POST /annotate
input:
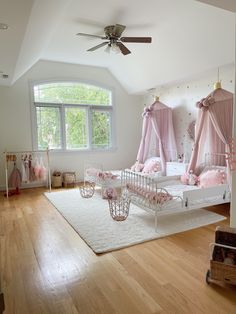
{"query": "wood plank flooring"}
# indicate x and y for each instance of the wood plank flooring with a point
(45, 267)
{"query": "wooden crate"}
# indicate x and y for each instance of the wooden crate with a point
(225, 241)
(223, 272)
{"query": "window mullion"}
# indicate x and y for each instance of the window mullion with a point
(89, 126)
(63, 127)
(111, 135)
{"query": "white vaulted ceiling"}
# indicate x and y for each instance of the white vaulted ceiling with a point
(188, 37)
(224, 4)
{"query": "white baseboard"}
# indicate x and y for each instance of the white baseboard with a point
(26, 186)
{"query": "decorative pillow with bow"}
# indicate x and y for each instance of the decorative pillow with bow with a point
(137, 167)
(212, 178)
(152, 166)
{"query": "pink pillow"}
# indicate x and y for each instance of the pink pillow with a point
(137, 167)
(212, 178)
(152, 166)
(92, 172)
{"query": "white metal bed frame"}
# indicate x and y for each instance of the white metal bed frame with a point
(190, 200)
(135, 182)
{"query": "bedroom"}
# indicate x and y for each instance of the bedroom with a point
(57, 53)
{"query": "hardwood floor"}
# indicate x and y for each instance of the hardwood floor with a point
(47, 268)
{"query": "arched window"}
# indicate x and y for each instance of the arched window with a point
(72, 116)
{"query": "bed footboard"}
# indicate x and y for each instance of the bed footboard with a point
(206, 196)
(145, 193)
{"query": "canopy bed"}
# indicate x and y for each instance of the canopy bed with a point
(208, 166)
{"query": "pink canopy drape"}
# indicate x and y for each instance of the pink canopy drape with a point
(213, 128)
(158, 138)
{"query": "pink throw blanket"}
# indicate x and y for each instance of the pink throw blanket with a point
(153, 197)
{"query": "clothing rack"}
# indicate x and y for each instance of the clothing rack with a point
(11, 156)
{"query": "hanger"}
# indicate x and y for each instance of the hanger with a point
(217, 84)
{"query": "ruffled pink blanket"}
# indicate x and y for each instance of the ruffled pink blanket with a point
(153, 197)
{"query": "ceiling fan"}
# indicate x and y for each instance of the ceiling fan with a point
(114, 41)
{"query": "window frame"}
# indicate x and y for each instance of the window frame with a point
(62, 106)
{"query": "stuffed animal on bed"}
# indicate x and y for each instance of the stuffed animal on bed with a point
(189, 178)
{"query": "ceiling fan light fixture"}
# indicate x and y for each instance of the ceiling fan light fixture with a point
(115, 48)
(108, 49)
(114, 41)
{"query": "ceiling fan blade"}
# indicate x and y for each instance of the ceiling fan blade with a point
(98, 46)
(89, 35)
(118, 30)
(123, 49)
(136, 39)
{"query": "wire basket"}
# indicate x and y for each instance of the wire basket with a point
(119, 208)
(87, 190)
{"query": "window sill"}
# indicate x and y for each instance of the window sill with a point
(82, 151)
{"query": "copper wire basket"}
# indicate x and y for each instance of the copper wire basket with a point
(119, 208)
(87, 190)
(225, 240)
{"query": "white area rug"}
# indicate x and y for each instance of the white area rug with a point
(91, 219)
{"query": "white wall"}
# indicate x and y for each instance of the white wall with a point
(183, 97)
(15, 120)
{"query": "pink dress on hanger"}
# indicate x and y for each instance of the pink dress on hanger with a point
(23, 170)
(15, 180)
(43, 170)
(31, 170)
(37, 169)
